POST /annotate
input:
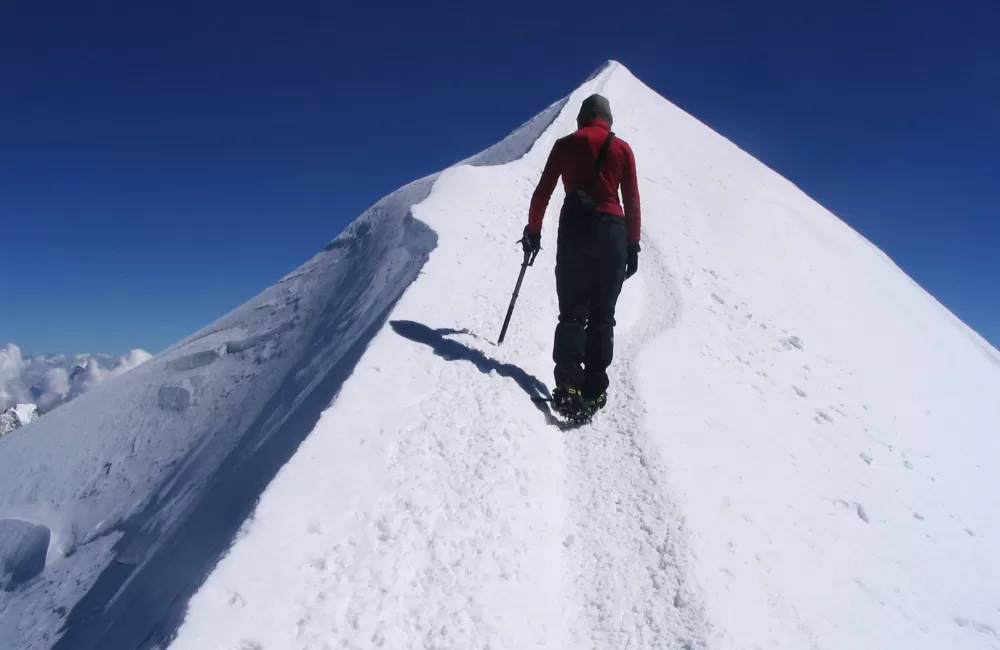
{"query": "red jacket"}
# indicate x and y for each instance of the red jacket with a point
(574, 158)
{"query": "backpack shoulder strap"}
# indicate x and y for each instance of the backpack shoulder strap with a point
(601, 157)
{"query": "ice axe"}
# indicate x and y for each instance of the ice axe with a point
(529, 259)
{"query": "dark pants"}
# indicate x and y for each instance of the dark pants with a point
(590, 270)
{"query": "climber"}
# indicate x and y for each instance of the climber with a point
(597, 250)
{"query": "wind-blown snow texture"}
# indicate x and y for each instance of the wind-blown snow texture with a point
(797, 453)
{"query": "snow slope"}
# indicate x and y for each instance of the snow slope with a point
(796, 453)
(117, 505)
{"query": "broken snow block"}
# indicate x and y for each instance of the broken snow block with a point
(197, 359)
(173, 398)
(23, 547)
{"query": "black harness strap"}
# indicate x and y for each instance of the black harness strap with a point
(601, 157)
(580, 200)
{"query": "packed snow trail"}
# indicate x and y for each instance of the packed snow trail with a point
(626, 538)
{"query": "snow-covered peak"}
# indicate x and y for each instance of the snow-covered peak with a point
(25, 412)
(17, 416)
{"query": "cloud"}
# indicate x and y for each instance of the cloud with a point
(52, 380)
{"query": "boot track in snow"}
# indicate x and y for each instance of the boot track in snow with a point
(623, 533)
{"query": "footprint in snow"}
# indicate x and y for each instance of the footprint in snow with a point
(982, 628)
(857, 507)
(820, 415)
(793, 342)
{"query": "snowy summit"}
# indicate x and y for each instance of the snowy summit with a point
(16, 417)
(796, 452)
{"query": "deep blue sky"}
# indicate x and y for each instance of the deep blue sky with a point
(161, 162)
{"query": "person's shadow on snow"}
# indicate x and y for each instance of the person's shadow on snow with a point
(452, 350)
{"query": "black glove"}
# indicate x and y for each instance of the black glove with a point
(531, 242)
(632, 260)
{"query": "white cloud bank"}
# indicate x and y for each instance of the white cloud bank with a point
(51, 380)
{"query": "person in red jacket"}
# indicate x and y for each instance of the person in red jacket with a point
(597, 249)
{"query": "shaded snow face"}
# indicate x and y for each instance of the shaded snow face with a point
(23, 548)
(52, 380)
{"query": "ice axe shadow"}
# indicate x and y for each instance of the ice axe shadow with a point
(451, 350)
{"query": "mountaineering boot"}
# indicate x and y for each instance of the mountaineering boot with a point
(566, 398)
(595, 404)
(568, 402)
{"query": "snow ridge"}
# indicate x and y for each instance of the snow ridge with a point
(789, 458)
(451, 511)
(627, 542)
(316, 324)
